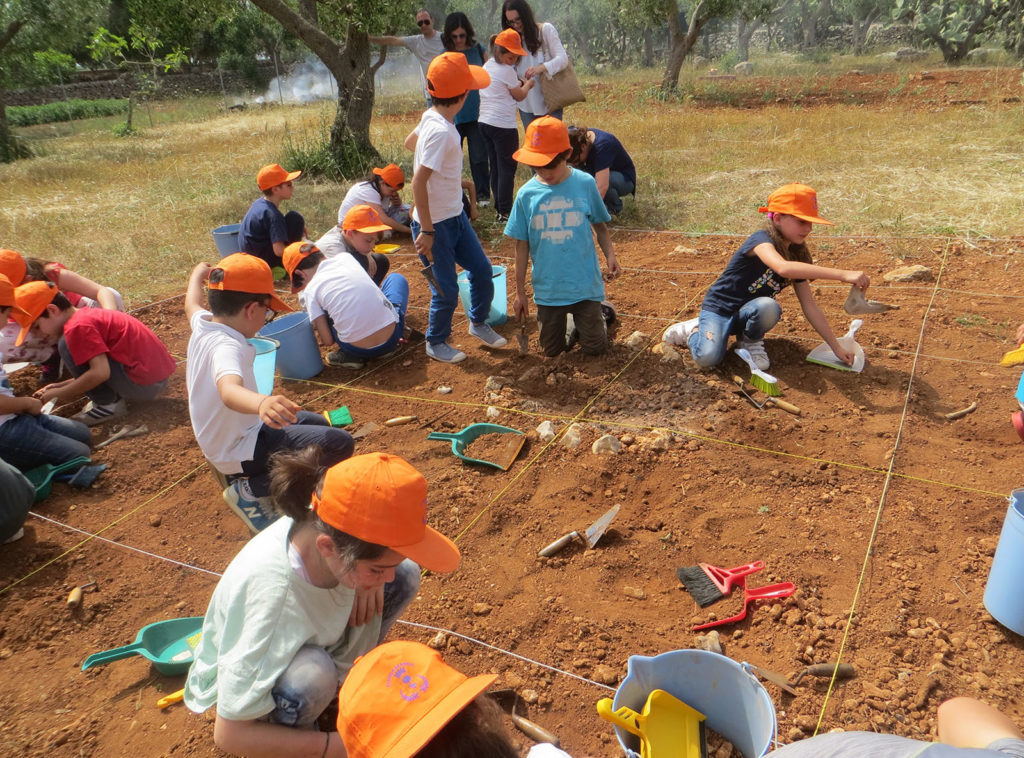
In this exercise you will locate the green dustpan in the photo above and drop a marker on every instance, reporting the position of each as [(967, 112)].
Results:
[(170, 645), (42, 476), (462, 440)]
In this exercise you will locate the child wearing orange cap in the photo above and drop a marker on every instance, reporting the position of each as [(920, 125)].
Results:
[(741, 302), (237, 427), (29, 437), (345, 306), (338, 240), (553, 222), (309, 595), (441, 231), (265, 230), (380, 191), (112, 357)]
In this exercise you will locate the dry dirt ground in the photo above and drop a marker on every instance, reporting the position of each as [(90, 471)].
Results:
[(871, 477)]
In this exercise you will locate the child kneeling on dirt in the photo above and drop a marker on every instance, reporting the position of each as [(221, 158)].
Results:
[(28, 437), (345, 307), (308, 596), (551, 224), (341, 241), (742, 300), (112, 357), (238, 428)]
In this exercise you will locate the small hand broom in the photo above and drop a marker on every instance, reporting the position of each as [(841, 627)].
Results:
[(708, 584), (764, 381)]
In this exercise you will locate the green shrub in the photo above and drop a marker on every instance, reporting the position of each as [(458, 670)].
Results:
[(66, 110)]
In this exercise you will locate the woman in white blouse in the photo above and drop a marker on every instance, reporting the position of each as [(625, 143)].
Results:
[(545, 55)]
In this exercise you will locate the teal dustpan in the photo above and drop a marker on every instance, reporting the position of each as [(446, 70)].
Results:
[(170, 645), (42, 476), (503, 453)]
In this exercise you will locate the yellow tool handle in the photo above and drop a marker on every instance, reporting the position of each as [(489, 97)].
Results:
[(75, 598), (625, 717), (787, 407), (174, 697)]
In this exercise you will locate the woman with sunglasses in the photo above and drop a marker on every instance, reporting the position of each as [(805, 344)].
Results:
[(459, 37), (545, 56)]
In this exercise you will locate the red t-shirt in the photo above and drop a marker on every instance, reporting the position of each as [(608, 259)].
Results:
[(93, 331)]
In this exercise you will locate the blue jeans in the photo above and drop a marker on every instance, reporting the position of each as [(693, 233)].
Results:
[(16, 497), (455, 242), (309, 429), (117, 386), (753, 320), (311, 681), (470, 133), (396, 290), (618, 185), (528, 117), (28, 441), (500, 144)]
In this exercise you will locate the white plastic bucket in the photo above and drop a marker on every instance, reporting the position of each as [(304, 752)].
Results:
[(733, 700), (1004, 596)]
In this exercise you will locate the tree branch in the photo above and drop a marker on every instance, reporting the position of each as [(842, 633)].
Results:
[(12, 29)]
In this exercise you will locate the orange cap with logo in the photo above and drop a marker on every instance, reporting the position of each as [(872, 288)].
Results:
[(273, 175), (12, 265), (381, 499), (7, 297), (450, 75), (795, 200), (247, 273), (546, 137), (391, 174), (363, 218), (511, 41), (30, 301), (294, 254), (398, 696)]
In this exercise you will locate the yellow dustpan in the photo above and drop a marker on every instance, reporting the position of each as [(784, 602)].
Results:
[(1013, 357), (667, 728)]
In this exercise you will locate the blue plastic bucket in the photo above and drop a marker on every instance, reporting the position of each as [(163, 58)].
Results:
[(732, 699), (1004, 597), (263, 366), (499, 305), (299, 355), (226, 239)]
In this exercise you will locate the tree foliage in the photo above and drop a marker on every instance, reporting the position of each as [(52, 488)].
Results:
[(953, 25)]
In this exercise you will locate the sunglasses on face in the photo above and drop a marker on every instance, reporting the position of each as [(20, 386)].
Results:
[(459, 36), (424, 22)]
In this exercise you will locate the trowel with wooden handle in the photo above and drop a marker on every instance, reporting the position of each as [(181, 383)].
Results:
[(591, 536)]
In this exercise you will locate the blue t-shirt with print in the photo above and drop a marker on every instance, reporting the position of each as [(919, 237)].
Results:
[(744, 279), (556, 221), (262, 226)]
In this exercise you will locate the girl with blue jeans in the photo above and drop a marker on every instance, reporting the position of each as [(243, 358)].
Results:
[(741, 302)]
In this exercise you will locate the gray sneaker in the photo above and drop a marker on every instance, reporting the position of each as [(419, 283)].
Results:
[(488, 336), (255, 512), (445, 353), (757, 352), (341, 359)]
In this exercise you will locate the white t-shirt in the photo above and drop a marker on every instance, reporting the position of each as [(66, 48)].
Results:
[(559, 59), (424, 49), (439, 148), (332, 243), (360, 193), (342, 290), (497, 106), (226, 437), (260, 614)]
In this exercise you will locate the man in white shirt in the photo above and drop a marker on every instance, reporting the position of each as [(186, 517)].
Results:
[(425, 46)]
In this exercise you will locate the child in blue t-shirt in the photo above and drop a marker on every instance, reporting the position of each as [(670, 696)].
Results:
[(551, 223)]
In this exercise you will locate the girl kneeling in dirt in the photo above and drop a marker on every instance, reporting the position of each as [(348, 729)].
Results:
[(742, 300), (308, 595)]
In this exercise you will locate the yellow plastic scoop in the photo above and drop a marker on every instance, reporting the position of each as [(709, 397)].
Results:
[(667, 728), (1013, 357)]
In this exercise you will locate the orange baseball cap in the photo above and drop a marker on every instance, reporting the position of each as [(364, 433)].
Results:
[(795, 200), (30, 301), (12, 265), (546, 137), (363, 218), (294, 254), (392, 174), (511, 41), (450, 75), (273, 175), (398, 696), (7, 297), (382, 499), (247, 273)]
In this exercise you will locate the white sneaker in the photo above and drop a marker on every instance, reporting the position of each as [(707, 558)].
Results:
[(488, 336), (445, 353), (757, 352), (679, 334), (15, 537)]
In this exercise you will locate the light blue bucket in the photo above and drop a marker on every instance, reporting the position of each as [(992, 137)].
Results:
[(298, 357), (226, 239), (732, 699), (263, 366), (499, 304), (1004, 598)]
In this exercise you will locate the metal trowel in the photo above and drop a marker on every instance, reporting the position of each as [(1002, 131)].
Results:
[(594, 533)]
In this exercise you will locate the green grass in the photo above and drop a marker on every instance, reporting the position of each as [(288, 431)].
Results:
[(68, 110)]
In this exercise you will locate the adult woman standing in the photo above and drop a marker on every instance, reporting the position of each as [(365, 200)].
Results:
[(459, 37), (545, 55)]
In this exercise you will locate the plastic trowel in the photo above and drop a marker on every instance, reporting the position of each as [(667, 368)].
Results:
[(823, 355)]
